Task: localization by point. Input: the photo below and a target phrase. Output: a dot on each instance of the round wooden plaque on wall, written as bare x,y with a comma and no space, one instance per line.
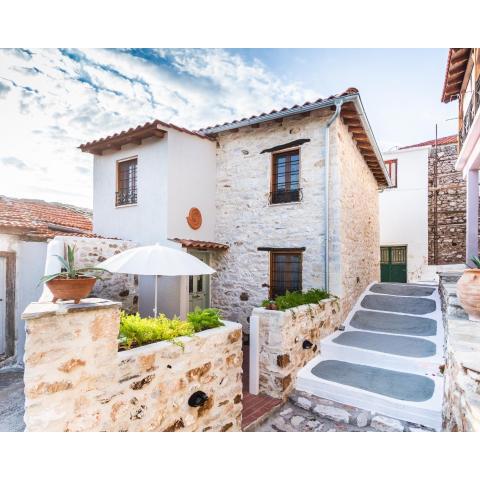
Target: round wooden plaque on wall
194,218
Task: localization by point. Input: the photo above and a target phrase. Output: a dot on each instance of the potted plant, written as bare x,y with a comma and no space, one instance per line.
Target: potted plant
271,305
468,288
71,283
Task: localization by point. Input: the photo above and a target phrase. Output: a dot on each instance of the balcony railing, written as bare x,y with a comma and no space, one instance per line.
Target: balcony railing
125,197
286,196
470,113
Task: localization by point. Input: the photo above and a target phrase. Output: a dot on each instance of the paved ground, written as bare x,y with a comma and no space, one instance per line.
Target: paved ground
11,400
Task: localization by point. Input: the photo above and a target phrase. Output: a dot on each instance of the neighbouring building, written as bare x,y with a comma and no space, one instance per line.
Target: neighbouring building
25,228
462,83
250,198
422,215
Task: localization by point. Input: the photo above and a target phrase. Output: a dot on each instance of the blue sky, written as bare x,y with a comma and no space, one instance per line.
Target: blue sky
52,100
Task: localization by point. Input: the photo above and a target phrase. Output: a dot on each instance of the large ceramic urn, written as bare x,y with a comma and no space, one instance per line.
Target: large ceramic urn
468,289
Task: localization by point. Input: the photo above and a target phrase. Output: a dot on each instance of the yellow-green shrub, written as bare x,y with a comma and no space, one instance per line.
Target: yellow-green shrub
137,331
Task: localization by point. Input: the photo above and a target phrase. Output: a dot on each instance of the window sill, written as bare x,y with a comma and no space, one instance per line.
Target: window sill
285,203
126,205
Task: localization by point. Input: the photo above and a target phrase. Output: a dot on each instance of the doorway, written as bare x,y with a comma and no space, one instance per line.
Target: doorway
199,286
393,264
3,277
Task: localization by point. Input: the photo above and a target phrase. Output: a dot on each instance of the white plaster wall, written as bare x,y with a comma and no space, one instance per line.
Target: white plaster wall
404,210
146,222
191,183
173,174
29,268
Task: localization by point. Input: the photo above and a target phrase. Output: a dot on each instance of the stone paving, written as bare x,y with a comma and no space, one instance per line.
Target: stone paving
11,400
300,414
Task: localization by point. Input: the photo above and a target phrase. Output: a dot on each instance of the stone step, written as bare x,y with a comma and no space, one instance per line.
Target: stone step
393,323
399,352
402,289
392,303
404,396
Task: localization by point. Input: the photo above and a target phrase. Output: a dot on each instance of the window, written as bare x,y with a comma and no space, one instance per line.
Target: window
286,177
126,182
285,272
392,171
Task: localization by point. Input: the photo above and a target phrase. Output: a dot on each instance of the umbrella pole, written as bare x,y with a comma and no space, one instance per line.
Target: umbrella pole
156,295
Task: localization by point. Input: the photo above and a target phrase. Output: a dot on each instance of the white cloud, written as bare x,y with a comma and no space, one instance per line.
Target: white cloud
53,100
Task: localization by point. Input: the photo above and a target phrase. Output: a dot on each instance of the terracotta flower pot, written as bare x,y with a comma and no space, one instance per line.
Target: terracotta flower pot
468,289
71,289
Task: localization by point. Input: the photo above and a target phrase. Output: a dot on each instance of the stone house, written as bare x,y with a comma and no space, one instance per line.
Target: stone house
422,215
249,197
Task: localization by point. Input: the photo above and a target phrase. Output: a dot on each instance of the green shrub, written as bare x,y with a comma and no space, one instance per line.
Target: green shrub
204,319
136,331
295,299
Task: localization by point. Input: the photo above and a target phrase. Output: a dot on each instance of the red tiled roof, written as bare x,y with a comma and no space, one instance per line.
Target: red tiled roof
319,101
440,141
199,244
132,134
40,220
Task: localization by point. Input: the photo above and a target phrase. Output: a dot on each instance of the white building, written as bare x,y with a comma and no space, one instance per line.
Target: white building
404,213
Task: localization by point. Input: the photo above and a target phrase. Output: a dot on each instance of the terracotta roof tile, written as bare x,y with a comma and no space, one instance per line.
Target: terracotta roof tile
41,220
349,91
199,244
440,141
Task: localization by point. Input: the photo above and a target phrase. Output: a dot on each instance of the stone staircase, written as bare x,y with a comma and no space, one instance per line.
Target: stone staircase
387,360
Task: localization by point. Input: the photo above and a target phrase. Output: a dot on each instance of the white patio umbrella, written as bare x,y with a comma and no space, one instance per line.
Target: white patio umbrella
156,260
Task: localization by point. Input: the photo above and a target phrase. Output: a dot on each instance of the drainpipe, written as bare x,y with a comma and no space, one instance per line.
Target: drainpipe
338,105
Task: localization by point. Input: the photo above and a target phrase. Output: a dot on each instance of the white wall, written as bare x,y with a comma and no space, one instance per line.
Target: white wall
29,268
404,210
174,174
191,183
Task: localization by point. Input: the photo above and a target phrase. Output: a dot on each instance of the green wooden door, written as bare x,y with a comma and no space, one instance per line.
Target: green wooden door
393,264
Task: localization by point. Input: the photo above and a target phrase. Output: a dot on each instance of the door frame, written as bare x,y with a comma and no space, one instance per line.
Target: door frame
403,245
10,262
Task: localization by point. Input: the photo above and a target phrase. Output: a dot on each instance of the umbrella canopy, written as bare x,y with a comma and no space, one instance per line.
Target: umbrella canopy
156,260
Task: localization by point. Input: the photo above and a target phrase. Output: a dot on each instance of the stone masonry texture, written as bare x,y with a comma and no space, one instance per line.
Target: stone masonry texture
461,406
246,220
446,207
76,380
281,337
118,287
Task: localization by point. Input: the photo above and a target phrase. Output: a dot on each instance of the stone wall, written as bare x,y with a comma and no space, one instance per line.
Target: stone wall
118,287
355,230
461,407
281,337
446,207
246,220
76,380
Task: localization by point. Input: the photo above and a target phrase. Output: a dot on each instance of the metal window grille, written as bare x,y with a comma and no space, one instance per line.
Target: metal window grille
286,178
127,183
286,273
470,113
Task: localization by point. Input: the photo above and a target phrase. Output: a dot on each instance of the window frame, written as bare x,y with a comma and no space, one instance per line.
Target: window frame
273,254
273,175
118,179
388,165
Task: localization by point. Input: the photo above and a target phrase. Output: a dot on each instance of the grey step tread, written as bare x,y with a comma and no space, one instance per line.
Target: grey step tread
391,344
390,383
390,303
394,323
402,289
